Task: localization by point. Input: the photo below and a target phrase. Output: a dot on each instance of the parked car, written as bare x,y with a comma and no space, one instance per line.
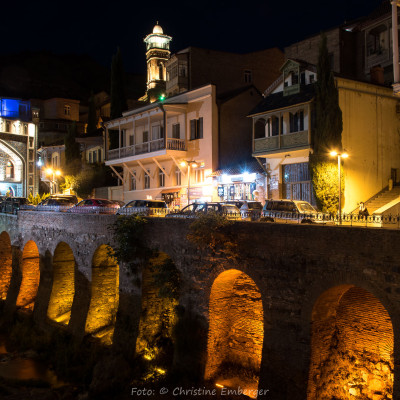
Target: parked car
12,205
292,211
94,206
195,209
57,203
254,211
151,208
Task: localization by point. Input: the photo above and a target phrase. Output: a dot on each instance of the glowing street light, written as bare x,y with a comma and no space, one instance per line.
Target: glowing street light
189,164
53,173
339,156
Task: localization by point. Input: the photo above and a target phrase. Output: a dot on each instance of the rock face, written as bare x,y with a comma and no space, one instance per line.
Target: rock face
352,347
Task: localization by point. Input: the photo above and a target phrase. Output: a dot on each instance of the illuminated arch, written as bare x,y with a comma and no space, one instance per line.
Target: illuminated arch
100,320
63,289
15,158
351,346
5,264
236,331
158,312
30,276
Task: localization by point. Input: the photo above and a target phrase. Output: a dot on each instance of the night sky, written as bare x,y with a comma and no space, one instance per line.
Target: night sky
97,28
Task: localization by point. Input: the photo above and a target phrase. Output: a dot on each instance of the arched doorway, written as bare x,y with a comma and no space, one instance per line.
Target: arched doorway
352,346
104,299
236,332
63,289
30,276
5,264
160,287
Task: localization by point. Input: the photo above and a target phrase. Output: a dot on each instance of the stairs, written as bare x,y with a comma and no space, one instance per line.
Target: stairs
382,198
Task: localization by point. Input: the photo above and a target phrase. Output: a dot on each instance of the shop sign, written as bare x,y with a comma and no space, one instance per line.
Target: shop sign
232,190
220,191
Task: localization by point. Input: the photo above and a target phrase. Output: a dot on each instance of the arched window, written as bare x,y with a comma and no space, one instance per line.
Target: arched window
10,170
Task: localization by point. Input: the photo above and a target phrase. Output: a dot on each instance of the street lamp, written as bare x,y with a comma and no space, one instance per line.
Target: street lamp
190,164
53,173
339,156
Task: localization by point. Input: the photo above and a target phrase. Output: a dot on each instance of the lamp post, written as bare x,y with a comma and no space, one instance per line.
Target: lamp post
189,164
339,156
53,173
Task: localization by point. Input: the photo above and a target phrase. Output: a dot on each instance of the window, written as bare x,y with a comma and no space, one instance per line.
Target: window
312,78
131,140
295,79
99,155
296,121
147,180
145,136
94,156
248,76
303,78
156,132
199,175
178,177
176,131
67,109
90,157
133,181
10,170
161,178
196,128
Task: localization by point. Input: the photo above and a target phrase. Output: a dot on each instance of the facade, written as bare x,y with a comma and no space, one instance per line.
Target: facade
18,145
52,160
157,54
56,114
283,129
194,67
171,150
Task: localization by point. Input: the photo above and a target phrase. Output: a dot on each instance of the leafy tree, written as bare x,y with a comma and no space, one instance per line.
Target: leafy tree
327,135
118,96
92,116
72,151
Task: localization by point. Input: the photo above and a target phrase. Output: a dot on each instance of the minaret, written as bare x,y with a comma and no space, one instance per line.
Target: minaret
157,53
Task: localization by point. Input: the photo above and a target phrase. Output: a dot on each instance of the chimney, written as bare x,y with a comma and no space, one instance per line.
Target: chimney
377,75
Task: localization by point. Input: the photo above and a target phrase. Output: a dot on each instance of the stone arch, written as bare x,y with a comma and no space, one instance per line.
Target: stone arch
160,287
63,288
5,264
236,331
30,269
351,346
100,320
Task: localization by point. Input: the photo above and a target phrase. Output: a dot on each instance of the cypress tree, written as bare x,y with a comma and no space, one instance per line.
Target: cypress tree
72,151
92,116
327,135
118,97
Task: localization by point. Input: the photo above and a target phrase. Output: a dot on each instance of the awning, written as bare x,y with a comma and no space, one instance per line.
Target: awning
176,190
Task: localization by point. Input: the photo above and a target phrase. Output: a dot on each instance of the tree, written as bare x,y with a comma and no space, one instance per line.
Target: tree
327,134
118,96
72,151
92,116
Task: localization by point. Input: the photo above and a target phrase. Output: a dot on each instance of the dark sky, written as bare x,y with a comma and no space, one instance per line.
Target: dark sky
97,28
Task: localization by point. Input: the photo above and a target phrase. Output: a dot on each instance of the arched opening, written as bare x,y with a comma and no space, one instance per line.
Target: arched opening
352,346
160,288
236,332
63,290
259,129
30,276
100,320
5,264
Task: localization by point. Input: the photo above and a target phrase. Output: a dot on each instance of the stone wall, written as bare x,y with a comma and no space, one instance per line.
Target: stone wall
292,268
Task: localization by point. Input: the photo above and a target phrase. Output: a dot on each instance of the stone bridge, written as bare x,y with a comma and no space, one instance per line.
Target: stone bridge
301,312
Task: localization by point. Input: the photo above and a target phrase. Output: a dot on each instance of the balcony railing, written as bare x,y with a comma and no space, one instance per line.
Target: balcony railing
286,141
147,147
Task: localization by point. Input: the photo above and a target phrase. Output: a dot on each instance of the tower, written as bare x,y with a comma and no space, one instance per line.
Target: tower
157,53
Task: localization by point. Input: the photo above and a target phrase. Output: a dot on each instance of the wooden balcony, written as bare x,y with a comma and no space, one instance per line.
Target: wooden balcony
147,147
282,142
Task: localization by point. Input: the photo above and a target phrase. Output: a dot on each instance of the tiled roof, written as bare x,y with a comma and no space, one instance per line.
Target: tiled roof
277,101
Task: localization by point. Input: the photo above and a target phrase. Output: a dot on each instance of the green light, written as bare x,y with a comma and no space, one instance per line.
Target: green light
162,97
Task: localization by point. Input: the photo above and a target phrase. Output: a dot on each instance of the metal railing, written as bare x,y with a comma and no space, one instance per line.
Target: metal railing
144,211
147,147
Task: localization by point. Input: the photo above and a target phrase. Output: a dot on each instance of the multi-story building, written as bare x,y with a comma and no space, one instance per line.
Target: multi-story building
56,114
18,144
194,67
171,149
283,130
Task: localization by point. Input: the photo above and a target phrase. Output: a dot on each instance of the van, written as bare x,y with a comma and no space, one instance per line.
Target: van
291,211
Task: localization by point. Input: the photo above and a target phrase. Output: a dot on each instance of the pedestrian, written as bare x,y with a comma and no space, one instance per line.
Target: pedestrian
362,211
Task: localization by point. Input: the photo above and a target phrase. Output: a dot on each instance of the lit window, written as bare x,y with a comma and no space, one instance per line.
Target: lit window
178,176
147,180
161,178
199,175
67,109
196,128
133,181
